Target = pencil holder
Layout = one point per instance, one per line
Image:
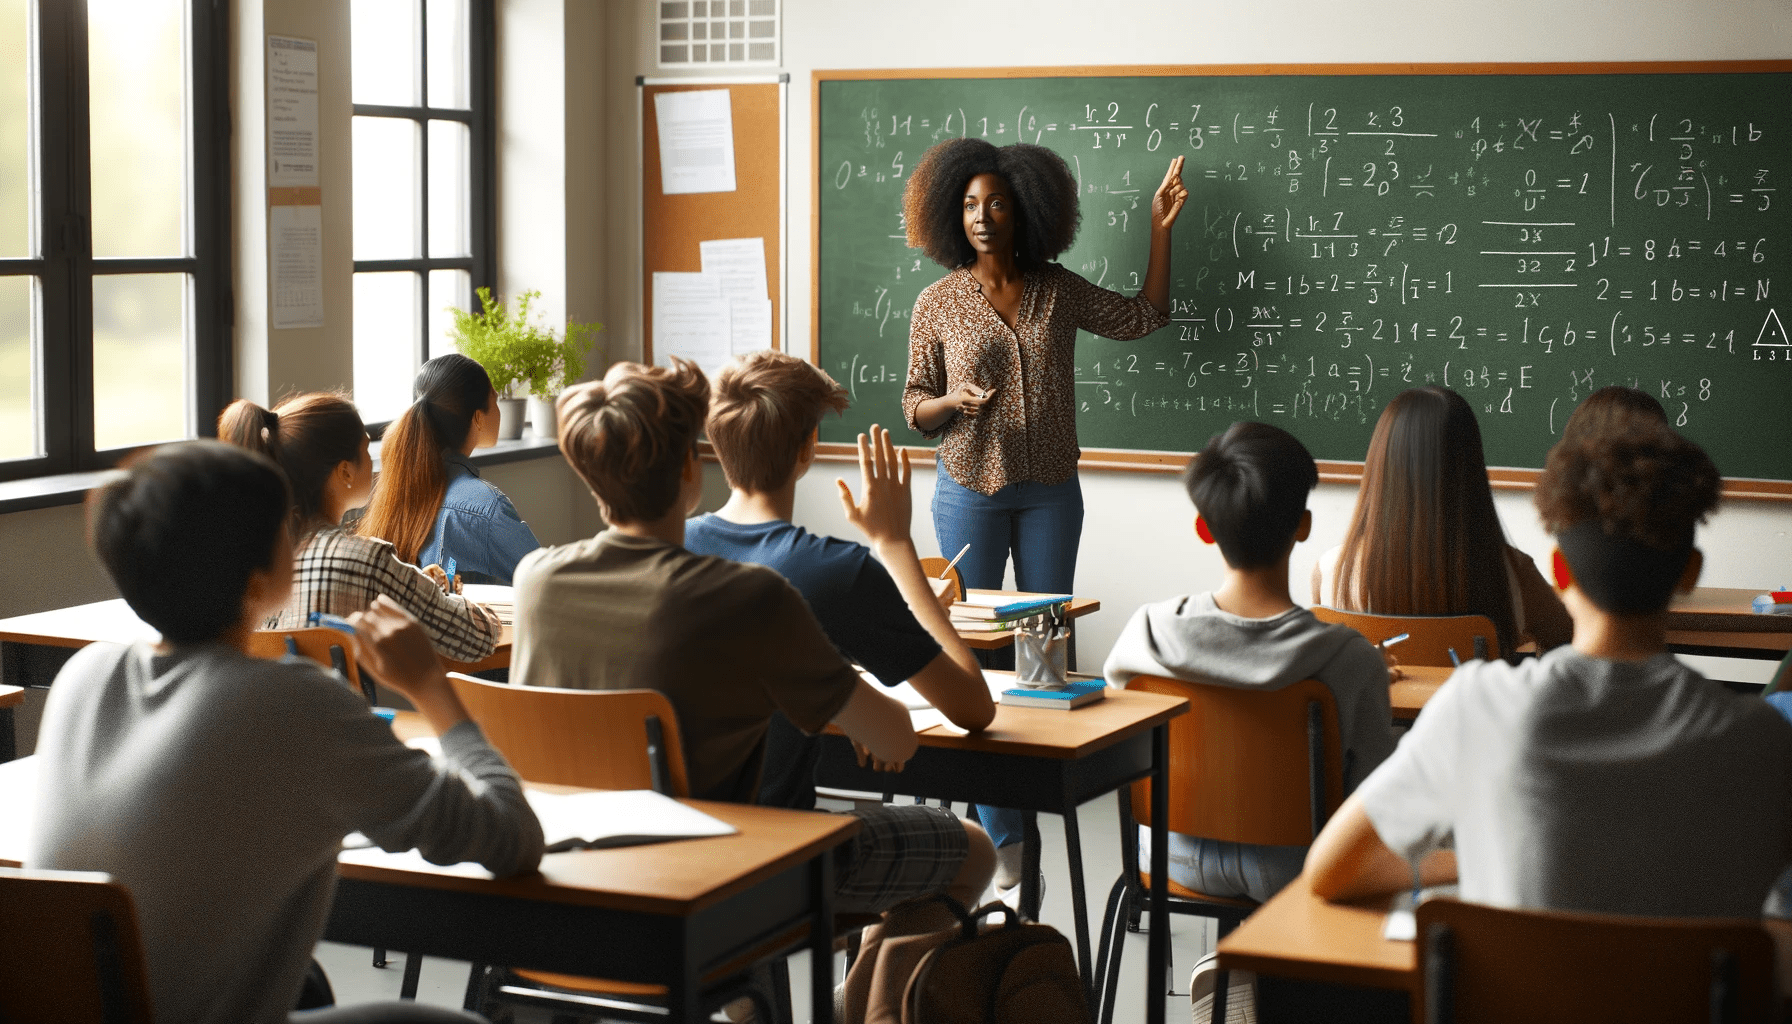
(1039, 656)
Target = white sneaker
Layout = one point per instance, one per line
(1241, 993)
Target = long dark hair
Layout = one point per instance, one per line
(413, 481)
(308, 436)
(1425, 539)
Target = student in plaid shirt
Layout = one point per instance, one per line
(321, 443)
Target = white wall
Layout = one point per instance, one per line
(1137, 541)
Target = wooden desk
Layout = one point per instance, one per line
(992, 640)
(1718, 622)
(33, 648)
(1409, 694)
(1040, 760)
(670, 914)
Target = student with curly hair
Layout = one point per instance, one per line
(1605, 777)
(992, 362)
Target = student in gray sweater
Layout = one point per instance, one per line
(1249, 487)
(218, 787)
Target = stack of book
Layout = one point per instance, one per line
(991, 612)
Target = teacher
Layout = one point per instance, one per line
(992, 362)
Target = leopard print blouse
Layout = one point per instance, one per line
(1027, 431)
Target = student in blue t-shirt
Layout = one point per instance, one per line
(879, 611)
(430, 502)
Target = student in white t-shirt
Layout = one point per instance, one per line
(1604, 776)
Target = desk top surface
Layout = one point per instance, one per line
(1298, 935)
(676, 878)
(1416, 686)
(1723, 610)
(11, 695)
(1063, 735)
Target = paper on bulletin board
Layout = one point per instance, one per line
(296, 265)
(741, 264)
(750, 324)
(292, 111)
(691, 319)
(696, 141)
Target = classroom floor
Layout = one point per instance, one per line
(444, 982)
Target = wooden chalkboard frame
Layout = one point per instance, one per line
(1174, 462)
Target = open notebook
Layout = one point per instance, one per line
(496, 596)
(602, 819)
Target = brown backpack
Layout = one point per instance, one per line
(931, 963)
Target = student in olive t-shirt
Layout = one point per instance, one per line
(879, 611)
(728, 644)
(1603, 777)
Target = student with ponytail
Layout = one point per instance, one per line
(318, 439)
(430, 502)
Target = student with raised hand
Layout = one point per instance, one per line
(880, 612)
(430, 501)
(1425, 538)
(1603, 777)
(318, 439)
(1249, 487)
(217, 786)
(729, 644)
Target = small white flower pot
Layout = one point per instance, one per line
(542, 419)
(510, 418)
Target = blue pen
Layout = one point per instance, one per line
(335, 622)
(451, 574)
(1454, 660)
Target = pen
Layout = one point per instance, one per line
(335, 622)
(954, 561)
(451, 574)
(1392, 640)
(1454, 660)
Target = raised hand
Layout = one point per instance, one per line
(1166, 204)
(884, 514)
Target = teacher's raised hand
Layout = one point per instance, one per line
(1166, 204)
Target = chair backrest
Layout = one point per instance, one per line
(327, 647)
(594, 738)
(1249, 766)
(932, 567)
(1481, 963)
(1432, 636)
(70, 949)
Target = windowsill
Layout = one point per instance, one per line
(71, 488)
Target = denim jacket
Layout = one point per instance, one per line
(477, 526)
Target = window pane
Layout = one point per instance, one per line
(383, 52)
(141, 387)
(15, 135)
(446, 288)
(20, 437)
(448, 74)
(448, 199)
(386, 188)
(137, 83)
(385, 342)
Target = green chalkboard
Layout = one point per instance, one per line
(1522, 238)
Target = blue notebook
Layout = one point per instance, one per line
(1075, 695)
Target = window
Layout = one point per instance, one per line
(114, 221)
(422, 141)
(718, 32)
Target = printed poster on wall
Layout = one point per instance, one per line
(292, 111)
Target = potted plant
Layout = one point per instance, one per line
(522, 358)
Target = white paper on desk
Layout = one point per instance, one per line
(500, 598)
(691, 319)
(931, 718)
(741, 264)
(696, 141)
(1401, 924)
(18, 807)
(625, 817)
(750, 325)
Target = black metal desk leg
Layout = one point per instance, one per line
(1158, 949)
(1030, 896)
(1073, 846)
(684, 998)
(821, 938)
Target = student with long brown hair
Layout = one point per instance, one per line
(318, 439)
(430, 502)
(1425, 538)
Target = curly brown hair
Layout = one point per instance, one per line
(1044, 191)
(1645, 484)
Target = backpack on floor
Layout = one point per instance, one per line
(1012, 972)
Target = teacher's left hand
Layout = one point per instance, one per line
(1167, 202)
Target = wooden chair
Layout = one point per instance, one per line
(70, 949)
(1481, 963)
(601, 739)
(932, 567)
(324, 646)
(1246, 766)
(1432, 637)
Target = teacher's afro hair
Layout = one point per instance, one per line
(1041, 183)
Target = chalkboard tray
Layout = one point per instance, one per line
(1521, 233)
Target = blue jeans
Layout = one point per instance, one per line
(1041, 525)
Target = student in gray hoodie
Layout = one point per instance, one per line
(1249, 487)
